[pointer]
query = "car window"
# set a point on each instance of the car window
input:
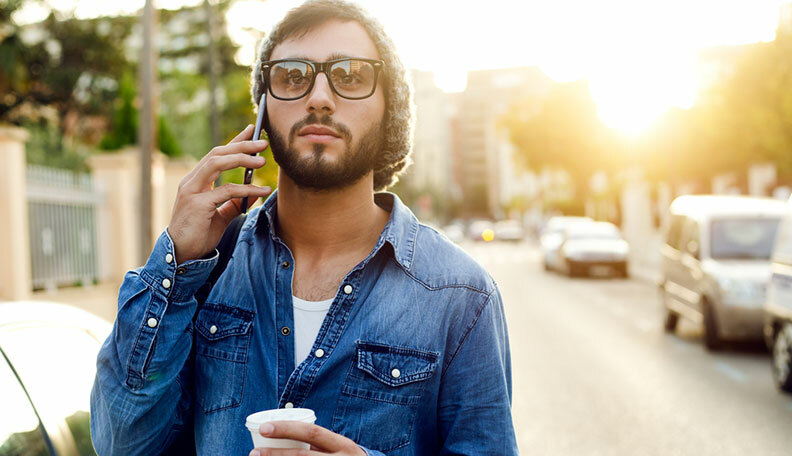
(674, 235)
(782, 252)
(58, 376)
(743, 238)
(20, 431)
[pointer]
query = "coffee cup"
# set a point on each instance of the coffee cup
(254, 421)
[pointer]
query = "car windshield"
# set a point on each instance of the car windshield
(743, 238)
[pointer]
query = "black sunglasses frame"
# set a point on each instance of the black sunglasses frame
(320, 67)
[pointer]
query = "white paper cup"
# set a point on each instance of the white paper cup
(254, 421)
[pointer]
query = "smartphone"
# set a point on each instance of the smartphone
(256, 136)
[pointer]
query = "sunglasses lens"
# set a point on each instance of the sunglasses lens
(290, 79)
(353, 78)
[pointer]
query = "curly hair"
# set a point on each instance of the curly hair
(399, 109)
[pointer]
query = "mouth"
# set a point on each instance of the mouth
(318, 134)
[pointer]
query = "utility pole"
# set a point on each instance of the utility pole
(147, 133)
(214, 127)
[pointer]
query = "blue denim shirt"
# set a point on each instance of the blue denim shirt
(416, 355)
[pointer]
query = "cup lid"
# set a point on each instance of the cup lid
(291, 414)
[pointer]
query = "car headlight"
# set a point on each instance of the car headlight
(741, 290)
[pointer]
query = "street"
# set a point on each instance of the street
(594, 373)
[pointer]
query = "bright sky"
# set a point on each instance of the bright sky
(638, 55)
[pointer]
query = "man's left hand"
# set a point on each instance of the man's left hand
(322, 441)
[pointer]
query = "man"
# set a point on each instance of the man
(335, 299)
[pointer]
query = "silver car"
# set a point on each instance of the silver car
(594, 248)
(716, 264)
(778, 307)
(552, 235)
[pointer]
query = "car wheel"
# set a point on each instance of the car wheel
(711, 339)
(782, 358)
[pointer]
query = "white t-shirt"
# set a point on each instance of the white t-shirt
(308, 319)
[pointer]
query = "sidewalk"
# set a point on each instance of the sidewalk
(100, 300)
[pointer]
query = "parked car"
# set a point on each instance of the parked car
(47, 367)
(481, 230)
(594, 248)
(509, 230)
(551, 236)
(778, 306)
(454, 232)
(716, 264)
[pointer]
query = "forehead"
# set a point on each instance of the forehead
(326, 41)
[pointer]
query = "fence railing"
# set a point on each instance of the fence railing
(62, 223)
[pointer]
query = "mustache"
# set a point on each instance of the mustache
(327, 121)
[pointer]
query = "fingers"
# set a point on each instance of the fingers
(247, 133)
(226, 192)
(219, 163)
(316, 436)
(284, 452)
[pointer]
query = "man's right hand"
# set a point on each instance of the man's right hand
(201, 213)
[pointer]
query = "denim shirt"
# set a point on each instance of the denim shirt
(414, 355)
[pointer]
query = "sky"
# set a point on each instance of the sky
(639, 56)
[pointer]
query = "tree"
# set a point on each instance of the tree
(565, 134)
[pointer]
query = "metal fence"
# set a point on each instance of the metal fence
(62, 213)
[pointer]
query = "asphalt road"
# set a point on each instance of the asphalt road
(594, 373)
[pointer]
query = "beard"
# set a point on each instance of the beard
(314, 172)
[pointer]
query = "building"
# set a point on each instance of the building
(480, 153)
(428, 178)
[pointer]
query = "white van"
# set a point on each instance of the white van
(716, 264)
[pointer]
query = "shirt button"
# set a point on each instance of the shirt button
(288, 405)
(348, 289)
(212, 329)
(285, 265)
(152, 322)
(319, 353)
(285, 331)
(166, 283)
(180, 271)
(396, 373)
(169, 258)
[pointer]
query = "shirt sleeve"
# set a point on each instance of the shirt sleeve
(474, 410)
(141, 399)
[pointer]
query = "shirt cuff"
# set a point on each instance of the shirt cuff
(177, 282)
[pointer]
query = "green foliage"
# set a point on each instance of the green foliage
(125, 117)
(566, 134)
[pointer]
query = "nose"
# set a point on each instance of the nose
(321, 97)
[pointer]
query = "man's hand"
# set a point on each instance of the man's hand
(201, 212)
(322, 441)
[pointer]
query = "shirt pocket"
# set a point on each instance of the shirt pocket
(381, 393)
(222, 342)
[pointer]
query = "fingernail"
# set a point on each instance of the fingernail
(255, 453)
(266, 429)
(261, 141)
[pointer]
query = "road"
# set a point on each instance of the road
(594, 373)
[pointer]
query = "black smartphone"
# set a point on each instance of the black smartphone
(256, 136)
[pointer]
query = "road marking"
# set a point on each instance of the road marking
(732, 372)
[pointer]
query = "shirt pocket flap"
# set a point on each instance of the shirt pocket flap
(395, 366)
(217, 321)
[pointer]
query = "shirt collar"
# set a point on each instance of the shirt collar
(400, 231)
